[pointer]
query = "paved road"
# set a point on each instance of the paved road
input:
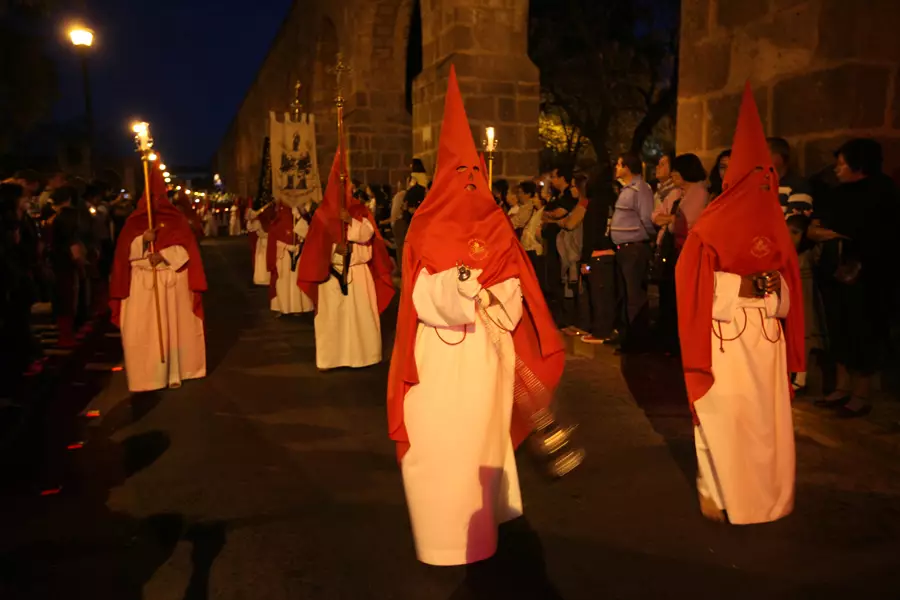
(270, 481)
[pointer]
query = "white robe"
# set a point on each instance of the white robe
(234, 223)
(745, 441)
(348, 328)
(261, 275)
(460, 471)
(183, 337)
(210, 225)
(289, 298)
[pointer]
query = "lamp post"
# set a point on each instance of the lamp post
(83, 38)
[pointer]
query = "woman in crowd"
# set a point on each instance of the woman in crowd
(718, 174)
(857, 270)
(15, 293)
(689, 179)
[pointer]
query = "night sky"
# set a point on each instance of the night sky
(182, 65)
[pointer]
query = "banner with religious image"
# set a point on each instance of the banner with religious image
(295, 175)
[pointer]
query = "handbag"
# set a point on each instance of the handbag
(848, 269)
(663, 264)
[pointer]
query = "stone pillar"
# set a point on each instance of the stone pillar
(822, 71)
(487, 41)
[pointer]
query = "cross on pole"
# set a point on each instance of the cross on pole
(339, 69)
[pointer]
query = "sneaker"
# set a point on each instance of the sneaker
(590, 339)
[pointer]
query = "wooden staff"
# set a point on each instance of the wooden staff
(159, 329)
(144, 143)
(339, 70)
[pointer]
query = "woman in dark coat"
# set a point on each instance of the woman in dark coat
(857, 270)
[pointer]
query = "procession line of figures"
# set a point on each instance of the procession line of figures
(474, 333)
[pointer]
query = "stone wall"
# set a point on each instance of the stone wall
(486, 39)
(823, 71)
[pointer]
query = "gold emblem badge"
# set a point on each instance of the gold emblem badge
(478, 249)
(761, 246)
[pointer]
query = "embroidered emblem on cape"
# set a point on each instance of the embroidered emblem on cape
(477, 249)
(761, 246)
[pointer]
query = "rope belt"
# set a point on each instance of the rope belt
(762, 323)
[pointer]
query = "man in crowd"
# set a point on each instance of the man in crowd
(563, 202)
(346, 272)
(464, 336)
(735, 280)
(156, 295)
(631, 230)
(790, 183)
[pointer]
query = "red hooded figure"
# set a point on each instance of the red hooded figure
(455, 376)
(738, 348)
(741, 232)
(456, 225)
(179, 286)
(265, 218)
(327, 230)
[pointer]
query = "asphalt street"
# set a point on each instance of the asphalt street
(269, 480)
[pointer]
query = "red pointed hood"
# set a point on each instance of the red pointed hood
(173, 229)
(327, 229)
(460, 222)
(741, 232)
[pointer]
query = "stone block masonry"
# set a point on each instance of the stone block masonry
(822, 71)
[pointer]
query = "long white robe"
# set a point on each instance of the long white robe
(289, 298)
(184, 341)
(210, 225)
(234, 222)
(460, 471)
(348, 328)
(261, 275)
(745, 440)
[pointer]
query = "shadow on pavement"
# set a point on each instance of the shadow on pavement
(207, 539)
(518, 569)
(656, 382)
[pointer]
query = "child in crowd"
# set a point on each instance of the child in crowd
(807, 252)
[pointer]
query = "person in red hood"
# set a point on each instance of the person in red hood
(258, 223)
(348, 320)
(286, 238)
(458, 366)
(180, 283)
(742, 334)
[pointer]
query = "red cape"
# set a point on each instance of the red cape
(327, 229)
(281, 229)
(741, 232)
(455, 224)
(173, 230)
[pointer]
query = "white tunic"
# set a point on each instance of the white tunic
(261, 275)
(210, 226)
(348, 328)
(745, 441)
(183, 338)
(234, 223)
(460, 471)
(289, 298)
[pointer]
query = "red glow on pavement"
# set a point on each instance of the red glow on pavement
(118, 368)
(92, 414)
(75, 446)
(51, 492)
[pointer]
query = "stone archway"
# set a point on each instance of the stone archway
(378, 125)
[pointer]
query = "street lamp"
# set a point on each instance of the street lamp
(83, 38)
(162, 167)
